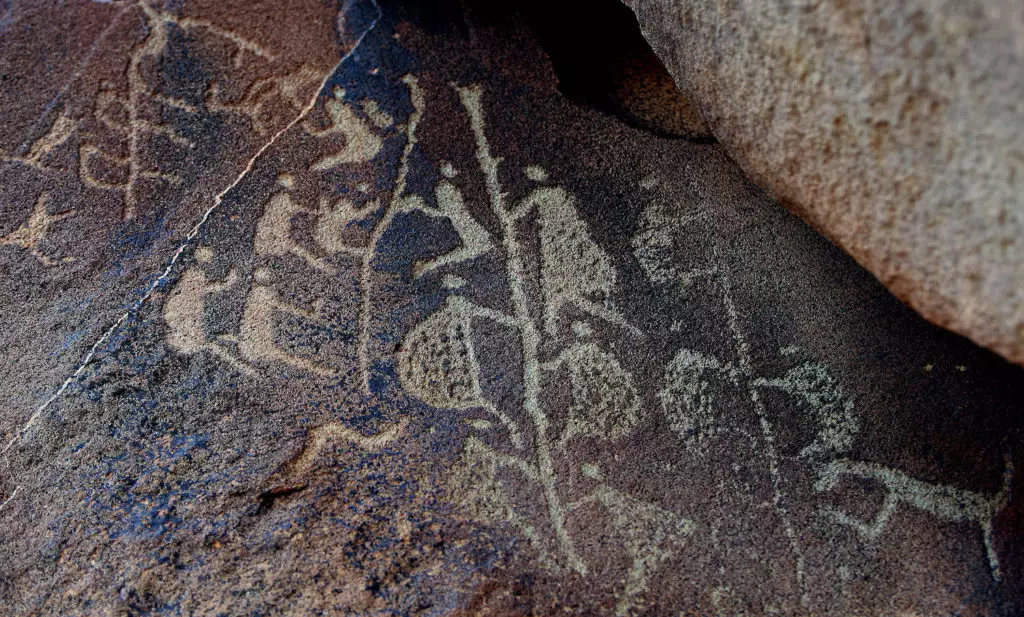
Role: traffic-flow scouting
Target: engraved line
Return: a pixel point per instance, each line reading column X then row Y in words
column 382, row 225
column 745, row 369
column 188, row 239
column 470, row 97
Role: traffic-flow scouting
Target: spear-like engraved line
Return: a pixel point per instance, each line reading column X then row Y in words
column 192, row 235
column 745, row 370
column 366, row 271
column 470, row 96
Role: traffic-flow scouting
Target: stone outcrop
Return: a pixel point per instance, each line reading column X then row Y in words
column 897, row 129
column 449, row 343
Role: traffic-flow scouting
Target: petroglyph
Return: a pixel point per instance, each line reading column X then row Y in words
column 32, row 231
column 574, row 269
column 361, row 143
column 184, row 309
column 391, row 209
column 663, row 227
column 475, row 240
column 257, row 335
column 688, row 397
column 651, row 535
column 259, row 99
column 824, row 401
column 605, row 403
column 61, row 130
column 334, row 220
column 944, row 502
column 437, row 362
column 325, row 435
column 274, row 233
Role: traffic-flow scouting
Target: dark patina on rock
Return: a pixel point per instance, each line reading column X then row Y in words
column 456, row 345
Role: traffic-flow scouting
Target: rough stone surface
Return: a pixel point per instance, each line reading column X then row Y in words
column 896, row 128
column 456, row 345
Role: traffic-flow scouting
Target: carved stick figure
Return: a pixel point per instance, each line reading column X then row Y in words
column 944, row 502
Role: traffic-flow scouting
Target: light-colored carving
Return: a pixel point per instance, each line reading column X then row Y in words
column 62, row 129
column 184, row 308
column 334, row 220
column 605, row 403
column 257, row 335
column 661, row 227
column 322, row 436
column 824, row 401
column 688, row 397
column 395, row 205
column 574, row 269
column 293, row 88
column 437, row 363
column 33, row 230
column 274, row 233
column 944, row 502
column 379, row 117
column 475, row 240
column 361, row 143
column 651, row 535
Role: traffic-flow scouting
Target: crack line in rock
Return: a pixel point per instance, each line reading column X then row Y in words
column 192, row 235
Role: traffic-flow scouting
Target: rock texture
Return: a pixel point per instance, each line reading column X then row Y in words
column 897, row 129
column 452, row 344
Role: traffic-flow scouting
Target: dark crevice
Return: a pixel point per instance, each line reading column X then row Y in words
column 597, row 51
column 267, row 499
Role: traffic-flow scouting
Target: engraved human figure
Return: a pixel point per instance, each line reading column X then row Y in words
column 184, row 308
column 361, row 143
column 475, row 240
column 257, row 335
column 32, row 231
column 274, row 232
column 944, row 502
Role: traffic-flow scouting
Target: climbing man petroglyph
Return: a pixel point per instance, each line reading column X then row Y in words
column 475, row 241
column 574, row 269
column 944, row 502
column 32, row 231
column 184, row 308
column 274, row 232
column 258, row 331
column 361, row 143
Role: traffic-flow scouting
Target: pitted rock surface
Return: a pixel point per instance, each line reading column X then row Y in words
column 453, row 344
column 897, row 129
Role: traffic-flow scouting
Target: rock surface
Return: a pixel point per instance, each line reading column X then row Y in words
column 897, row 129
column 455, row 345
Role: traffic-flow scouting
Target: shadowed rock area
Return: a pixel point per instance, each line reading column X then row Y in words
column 895, row 128
column 456, row 344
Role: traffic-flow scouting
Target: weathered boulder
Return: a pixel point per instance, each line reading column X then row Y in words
column 896, row 128
column 452, row 344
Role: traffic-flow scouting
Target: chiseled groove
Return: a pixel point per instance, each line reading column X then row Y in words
column 192, row 235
